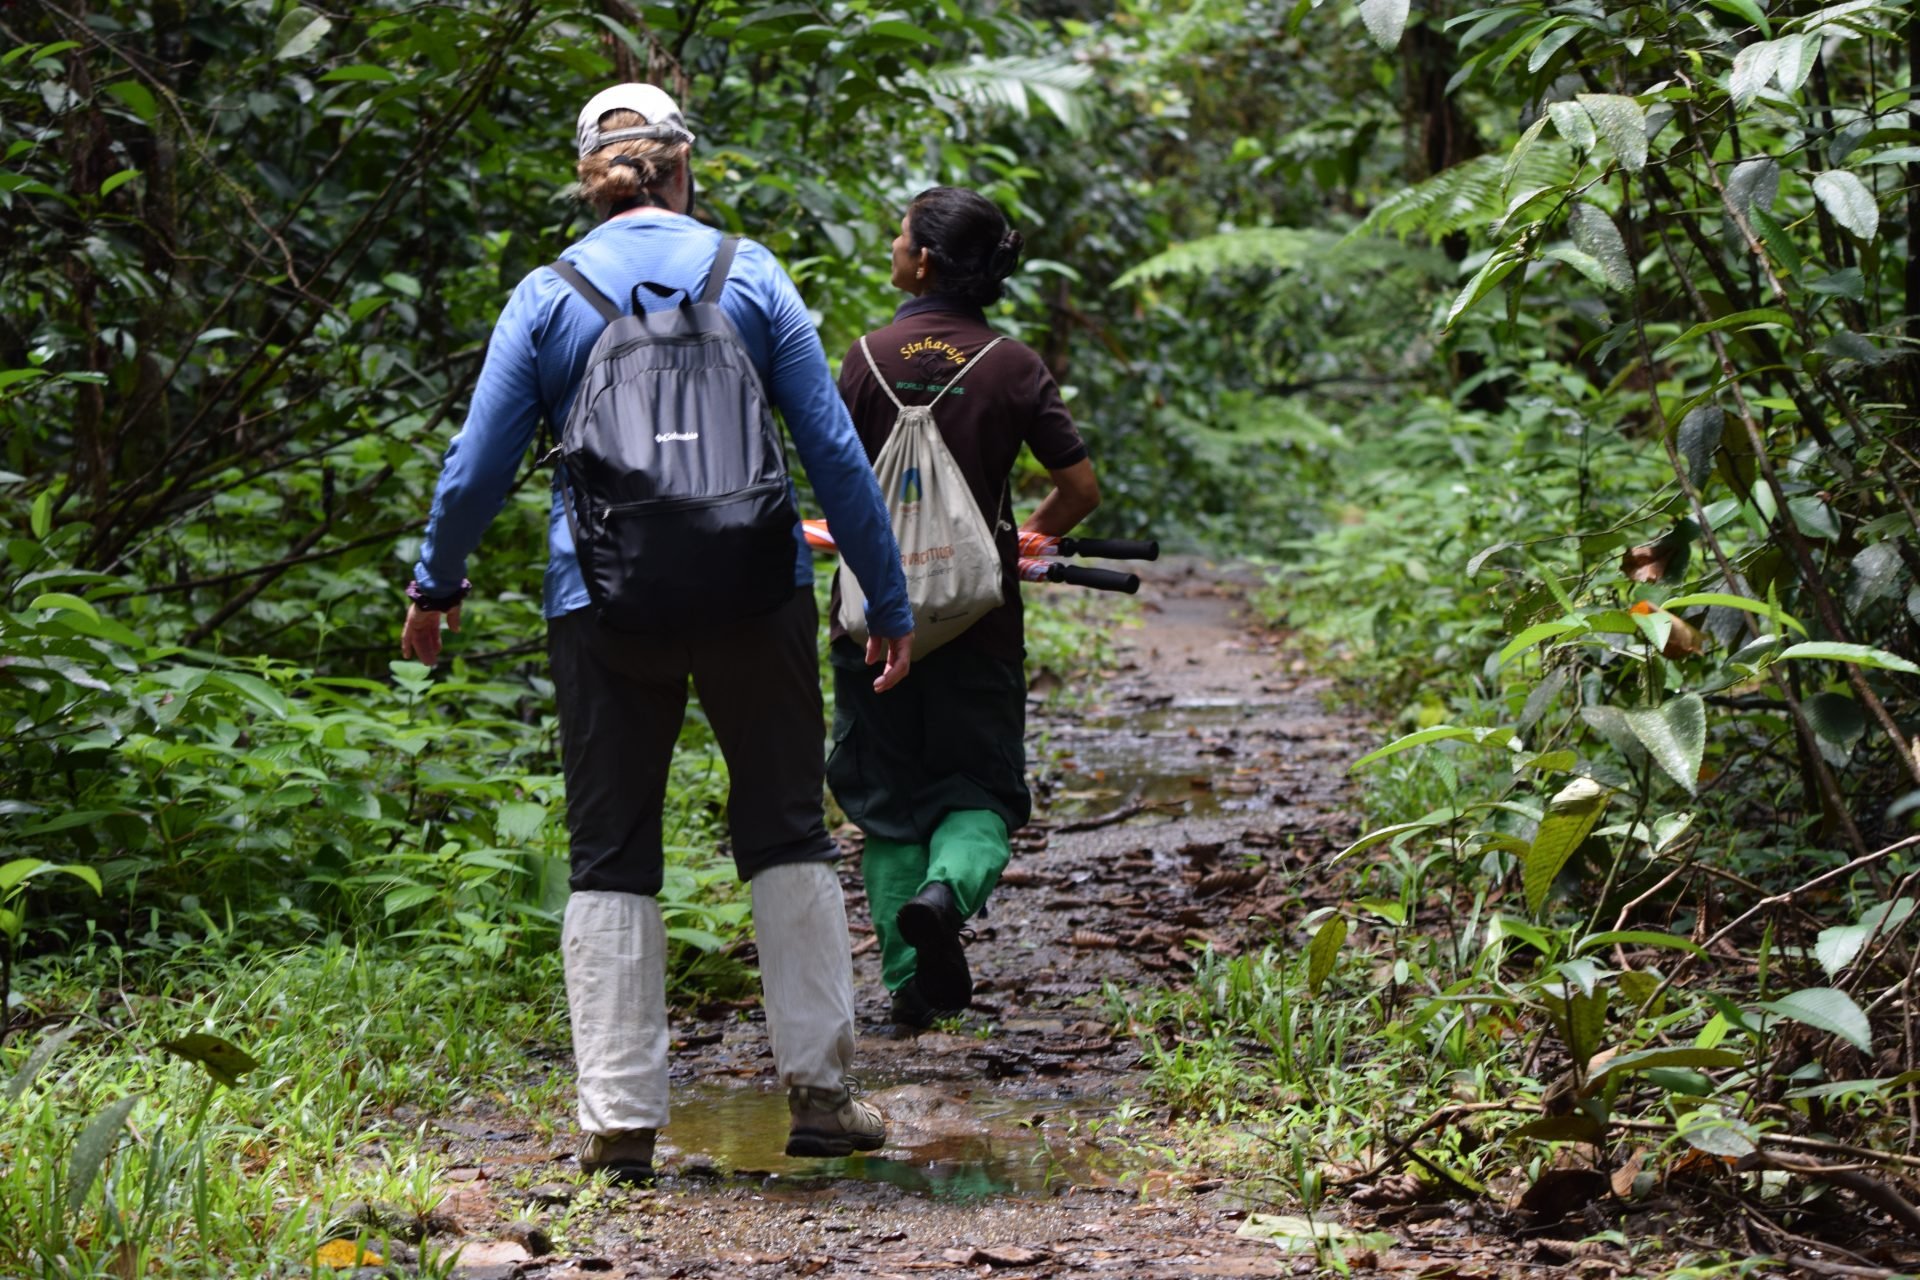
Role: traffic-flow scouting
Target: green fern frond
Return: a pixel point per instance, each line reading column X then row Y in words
column 1467, row 197
column 1012, row 84
column 1257, row 249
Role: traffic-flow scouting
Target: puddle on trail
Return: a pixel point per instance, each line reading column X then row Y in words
column 1164, row 757
column 943, row 1148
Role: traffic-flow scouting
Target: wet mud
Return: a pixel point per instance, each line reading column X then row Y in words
column 1183, row 804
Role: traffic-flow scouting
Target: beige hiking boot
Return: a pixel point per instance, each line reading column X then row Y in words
column 625, row 1157
column 832, row 1122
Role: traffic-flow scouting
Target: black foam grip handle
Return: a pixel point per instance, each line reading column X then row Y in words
column 1098, row 579
column 1111, row 548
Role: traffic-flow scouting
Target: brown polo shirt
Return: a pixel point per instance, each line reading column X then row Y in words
column 1007, row 400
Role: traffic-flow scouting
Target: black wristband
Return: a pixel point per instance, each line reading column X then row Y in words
column 440, row 603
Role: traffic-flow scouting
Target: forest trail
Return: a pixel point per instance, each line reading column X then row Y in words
column 1188, row 801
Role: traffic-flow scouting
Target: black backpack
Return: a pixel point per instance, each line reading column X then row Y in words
column 670, row 468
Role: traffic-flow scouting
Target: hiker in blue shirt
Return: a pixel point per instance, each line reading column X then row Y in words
column 621, row 695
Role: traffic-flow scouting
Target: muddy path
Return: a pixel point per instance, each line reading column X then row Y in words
column 1184, row 804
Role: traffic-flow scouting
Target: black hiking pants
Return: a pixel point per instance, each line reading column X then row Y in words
column 622, row 698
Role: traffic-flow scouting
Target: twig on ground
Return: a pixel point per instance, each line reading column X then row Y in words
column 1867, row 1187
column 1402, row 1146
column 1121, row 814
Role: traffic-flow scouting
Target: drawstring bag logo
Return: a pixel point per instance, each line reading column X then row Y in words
column 910, row 487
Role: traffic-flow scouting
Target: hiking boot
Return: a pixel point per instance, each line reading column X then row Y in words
column 910, row 1011
column 930, row 924
column 625, row 1157
column 832, row 1122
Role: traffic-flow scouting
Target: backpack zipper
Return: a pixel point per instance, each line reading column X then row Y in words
column 684, row 504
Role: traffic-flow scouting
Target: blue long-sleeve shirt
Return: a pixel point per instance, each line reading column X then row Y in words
column 539, row 353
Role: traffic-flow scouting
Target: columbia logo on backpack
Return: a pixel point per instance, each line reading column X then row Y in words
column 696, row 533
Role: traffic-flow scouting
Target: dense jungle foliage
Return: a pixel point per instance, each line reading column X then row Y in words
column 1558, row 358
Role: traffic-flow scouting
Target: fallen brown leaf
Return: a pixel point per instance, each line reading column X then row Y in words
column 1624, row 1177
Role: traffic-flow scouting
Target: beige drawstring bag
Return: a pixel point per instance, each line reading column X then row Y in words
column 946, row 546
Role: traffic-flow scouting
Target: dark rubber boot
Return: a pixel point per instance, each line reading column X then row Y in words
column 930, row 924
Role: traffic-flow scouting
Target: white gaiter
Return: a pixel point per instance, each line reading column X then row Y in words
column 806, row 972
column 616, row 958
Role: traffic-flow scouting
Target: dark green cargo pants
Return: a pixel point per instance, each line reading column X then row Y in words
column 934, row 772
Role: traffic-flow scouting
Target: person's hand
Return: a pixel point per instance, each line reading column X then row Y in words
column 420, row 637
column 898, row 652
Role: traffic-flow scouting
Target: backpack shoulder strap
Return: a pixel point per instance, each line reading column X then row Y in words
column 722, row 263
column 596, row 299
column 877, row 375
column 965, row 368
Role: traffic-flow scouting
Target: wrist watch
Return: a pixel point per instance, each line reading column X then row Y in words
column 440, row 603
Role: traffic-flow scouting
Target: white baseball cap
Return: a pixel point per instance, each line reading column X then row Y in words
column 662, row 115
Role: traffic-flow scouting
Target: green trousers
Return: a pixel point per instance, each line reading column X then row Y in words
column 967, row 854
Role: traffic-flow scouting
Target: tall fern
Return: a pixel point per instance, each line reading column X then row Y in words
column 1013, row 84
column 1468, row 196
column 1258, row 248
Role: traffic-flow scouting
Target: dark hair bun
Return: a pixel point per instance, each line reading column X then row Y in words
column 972, row 247
column 1006, row 255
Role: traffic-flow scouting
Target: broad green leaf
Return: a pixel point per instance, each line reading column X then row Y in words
column 1385, row 20
column 1492, row 272
column 1675, row 1056
column 1722, row 600
column 118, row 180
column 407, row 897
column 1825, row 1009
column 1438, row 733
column 1393, row 912
column 1849, row 201
column 1739, row 319
column 519, row 822
column 1554, row 41
column 91, row 1148
column 1859, row 654
column 1754, row 184
column 1571, row 815
column 1534, row 635
column 1520, row 150
column 300, row 33
column 1697, row 438
column 219, row 1057
column 1596, row 235
column 1573, row 124
column 1384, row 834
column 1747, row 11
column 1611, row 724
column 1583, row 262
column 1840, row 946
column 1795, row 61
column 1716, row 1133
column 37, row 1060
column 360, row 71
column 1623, row 123
column 1753, row 67
column 1639, row 938
column 1895, row 155
column 62, row 600
column 1836, row 717
column 1324, row 950
column 901, row 29
column 137, row 98
column 1881, row 1086
column 1675, row 735
column 19, row 870
column 254, row 689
